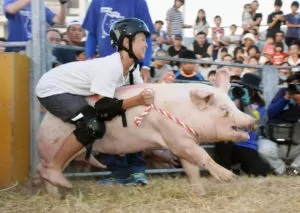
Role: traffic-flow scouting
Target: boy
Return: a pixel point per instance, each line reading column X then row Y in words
column 188, row 69
column 275, row 19
column 217, row 34
column 62, row 92
column 292, row 21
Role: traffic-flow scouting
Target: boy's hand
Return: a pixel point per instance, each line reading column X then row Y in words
column 147, row 97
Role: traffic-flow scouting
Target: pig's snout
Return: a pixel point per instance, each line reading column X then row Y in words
column 246, row 122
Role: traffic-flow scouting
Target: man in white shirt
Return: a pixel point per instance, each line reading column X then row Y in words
column 62, row 92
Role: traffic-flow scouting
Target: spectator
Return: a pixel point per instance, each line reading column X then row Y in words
column 292, row 21
column 236, row 71
column 65, row 36
column 201, row 24
column 204, row 69
column 227, row 58
column 284, row 109
column 248, row 41
column 175, row 50
column 175, row 20
column 247, row 17
column 293, row 58
column 257, row 17
column 253, row 51
column 268, row 49
column 279, row 37
column 253, row 61
column 75, row 33
column 284, row 74
column 201, row 46
column 18, row 14
column 223, row 51
column 246, row 152
column 160, row 67
column 234, row 78
column 275, row 19
column 155, row 46
column 2, row 49
column 98, row 20
column 234, row 40
column 53, row 36
column 217, row 34
column 239, row 54
column 188, row 69
column 80, row 55
column 162, row 38
column 212, row 76
column 279, row 56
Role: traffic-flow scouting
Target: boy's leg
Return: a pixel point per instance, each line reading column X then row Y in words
column 52, row 172
column 68, row 106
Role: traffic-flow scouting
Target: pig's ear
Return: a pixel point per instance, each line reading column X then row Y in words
column 222, row 80
column 201, row 98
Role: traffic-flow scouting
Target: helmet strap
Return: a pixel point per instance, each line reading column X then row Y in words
column 131, row 80
column 130, row 50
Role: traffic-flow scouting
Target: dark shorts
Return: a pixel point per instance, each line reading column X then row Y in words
column 65, row 106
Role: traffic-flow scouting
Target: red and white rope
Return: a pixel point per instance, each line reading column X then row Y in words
column 138, row 119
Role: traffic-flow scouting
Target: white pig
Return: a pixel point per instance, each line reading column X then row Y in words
column 206, row 109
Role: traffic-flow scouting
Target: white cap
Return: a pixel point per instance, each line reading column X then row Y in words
column 249, row 35
column 74, row 21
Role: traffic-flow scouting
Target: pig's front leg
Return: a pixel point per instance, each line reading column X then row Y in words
column 182, row 144
column 195, row 154
column 192, row 173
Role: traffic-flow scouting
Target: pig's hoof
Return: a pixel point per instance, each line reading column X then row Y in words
column 199, row 190
column 54, row 176
column 223, row 174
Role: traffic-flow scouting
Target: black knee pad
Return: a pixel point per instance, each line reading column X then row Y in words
column 88, row 127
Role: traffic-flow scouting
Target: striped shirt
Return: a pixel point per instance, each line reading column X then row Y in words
column 175, row 18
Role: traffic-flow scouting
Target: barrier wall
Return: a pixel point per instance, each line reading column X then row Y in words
column 14, row 118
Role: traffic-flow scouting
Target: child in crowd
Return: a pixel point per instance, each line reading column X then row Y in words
column 294, row 59
column 204, row 69
column 223, row 51
column 217, row 34
column 212, row 76
column 247, row 17
column 279, row 56
column 268, row 49
column 188, row 71
column 252, row 61
column 236, row 71
column 234, row 40
column 239, row 54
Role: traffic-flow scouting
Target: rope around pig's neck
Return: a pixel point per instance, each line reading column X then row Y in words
column 138, row 120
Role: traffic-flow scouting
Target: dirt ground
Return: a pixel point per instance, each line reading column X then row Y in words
column 163, row 194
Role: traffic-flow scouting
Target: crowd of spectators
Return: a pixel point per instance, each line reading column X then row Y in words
column 277, row 48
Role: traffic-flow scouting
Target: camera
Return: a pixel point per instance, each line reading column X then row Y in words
column 293, row 89
column 237, row 90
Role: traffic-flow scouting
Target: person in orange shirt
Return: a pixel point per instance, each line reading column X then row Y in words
column 279, row 56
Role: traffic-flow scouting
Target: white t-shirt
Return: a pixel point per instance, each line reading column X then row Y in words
column 98, row 76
